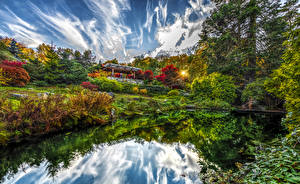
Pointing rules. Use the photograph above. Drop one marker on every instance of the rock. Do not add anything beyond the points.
(16, 95)
(190, 107)
(186, 94)
(111, 94)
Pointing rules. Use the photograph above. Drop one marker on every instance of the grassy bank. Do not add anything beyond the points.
(30, 113)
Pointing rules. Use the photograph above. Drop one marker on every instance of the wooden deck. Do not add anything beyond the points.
(256, 111)
(239, 110)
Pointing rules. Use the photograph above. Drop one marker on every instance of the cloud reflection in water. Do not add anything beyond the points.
(127, 162)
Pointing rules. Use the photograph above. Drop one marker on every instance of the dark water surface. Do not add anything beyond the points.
(165, 148)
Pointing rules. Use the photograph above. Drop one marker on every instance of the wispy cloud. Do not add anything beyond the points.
(22, 30)
(183, 33)
(126, 162)
(104, 26)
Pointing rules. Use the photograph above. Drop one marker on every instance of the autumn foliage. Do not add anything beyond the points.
(89, 86)
(148, 74)
(94, 75)
(13, 71)
(118, 75)
(170, 77)
(13, 63)
(36, 116)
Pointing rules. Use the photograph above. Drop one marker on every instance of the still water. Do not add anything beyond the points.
(166, 148)
(130, 161)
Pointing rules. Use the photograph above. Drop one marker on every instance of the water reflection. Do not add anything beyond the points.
(124, 162)
(108, 154)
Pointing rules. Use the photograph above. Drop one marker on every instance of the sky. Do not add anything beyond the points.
(118, 29)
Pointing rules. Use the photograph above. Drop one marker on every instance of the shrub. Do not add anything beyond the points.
(274, 163)
(170, 77)
(18, 76)
(3, 79)
(135, 90)
(143, 91)
(174, 92)
(71, 72)
(40, 83)
(105, 84)
(215, 86)
(156, 89)
(13, 63)
(254, 91)
(129, 76)
(94, 75)
(89, 86)
(215, 104)
(139, 75)
(35, 116)
(160, 77)
(148, 75)
(36, 71)
(127, 87)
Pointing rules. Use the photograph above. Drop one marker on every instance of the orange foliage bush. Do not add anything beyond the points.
(36, 116)
(13, 70)
(94, 75)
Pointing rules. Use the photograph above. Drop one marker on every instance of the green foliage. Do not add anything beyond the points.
(4, 53)
(73, 72)
(215, 86)
(128, 87)
(108, 85)
(233, 43)
(254, 91)
(174, 92)
(36, 70)
(155, 89)
(215, 104)
(275, 164)
(285, 81)
(40, 83)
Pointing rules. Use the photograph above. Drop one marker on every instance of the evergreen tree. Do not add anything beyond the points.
(13, 48)
(244, 38)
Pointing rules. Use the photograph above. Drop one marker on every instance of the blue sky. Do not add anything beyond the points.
(111, 28)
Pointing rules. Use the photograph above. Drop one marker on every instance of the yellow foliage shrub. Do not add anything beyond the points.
(3, 78)
(143, 91)
(135, 90)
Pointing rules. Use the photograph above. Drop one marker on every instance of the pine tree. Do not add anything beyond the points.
(244, 38)
(13, 48)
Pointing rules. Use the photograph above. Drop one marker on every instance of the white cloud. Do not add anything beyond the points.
(22, 30)
(182, 31)
(125, 162)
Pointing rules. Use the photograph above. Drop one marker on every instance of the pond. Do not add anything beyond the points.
(130, 161)
(165, 148)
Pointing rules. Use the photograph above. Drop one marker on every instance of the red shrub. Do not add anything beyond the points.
(89, 86)
(161, 77)
(148, 74)
(117, 75)
(130, 76)
(170, 77)
(18, 75)
(13, 63)
(169, 68)
(139, 75)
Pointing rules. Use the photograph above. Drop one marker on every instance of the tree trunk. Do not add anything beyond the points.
(252, 40)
